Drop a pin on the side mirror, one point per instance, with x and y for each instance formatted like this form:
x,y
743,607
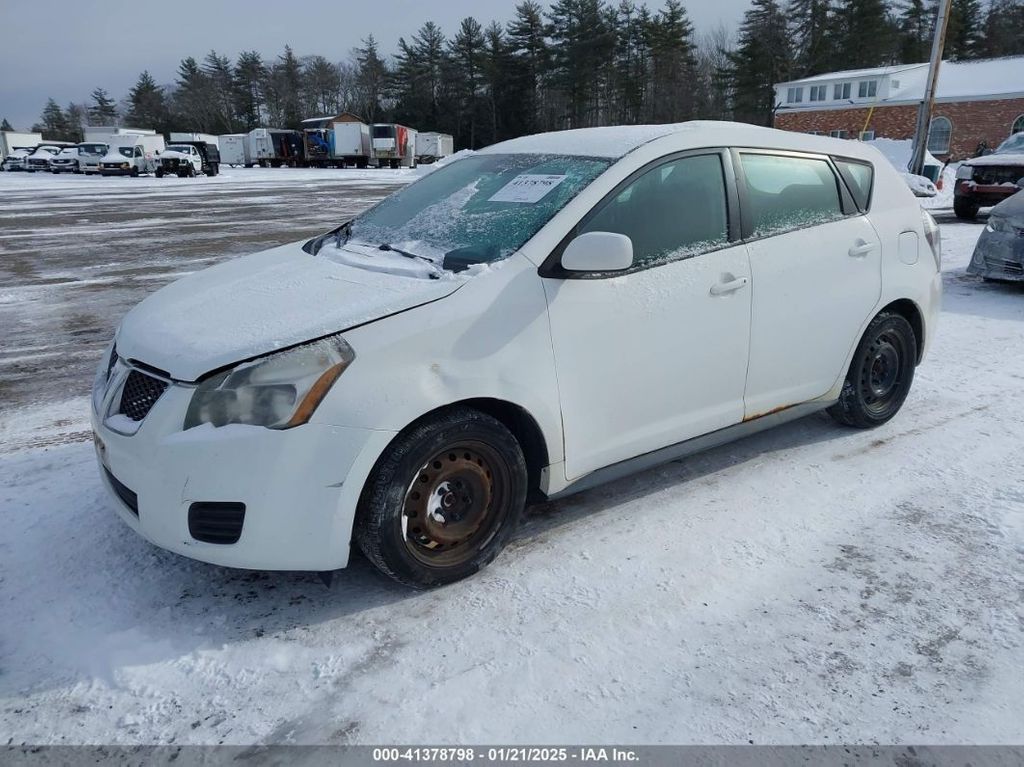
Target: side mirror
x,y
598,252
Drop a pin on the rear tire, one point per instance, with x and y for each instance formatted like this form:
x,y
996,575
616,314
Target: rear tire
x,y
443,499
965,209
880,374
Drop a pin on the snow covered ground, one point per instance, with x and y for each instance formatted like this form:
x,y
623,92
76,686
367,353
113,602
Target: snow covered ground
x,y
810,584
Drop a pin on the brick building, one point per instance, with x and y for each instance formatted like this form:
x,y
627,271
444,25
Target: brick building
x,y
976,101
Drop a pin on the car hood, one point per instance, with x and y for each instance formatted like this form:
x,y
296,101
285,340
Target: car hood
x,y
254,305
115,157
997,159
1012,208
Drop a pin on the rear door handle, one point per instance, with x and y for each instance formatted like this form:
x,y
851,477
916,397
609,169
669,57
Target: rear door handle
x,y
861,249
721,288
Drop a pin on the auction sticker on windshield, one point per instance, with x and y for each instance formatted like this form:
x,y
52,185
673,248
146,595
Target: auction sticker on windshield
x,y
529,187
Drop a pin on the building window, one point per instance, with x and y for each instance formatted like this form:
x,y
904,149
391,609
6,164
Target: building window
x,y
841,91
867,89
819,92
815,133
839,133
794,95
867,135
940,132
1018,125
894,85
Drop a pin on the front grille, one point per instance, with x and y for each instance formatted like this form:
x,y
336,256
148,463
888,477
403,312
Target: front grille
x,y
128,498
140,393
216,522
1006,267
997,175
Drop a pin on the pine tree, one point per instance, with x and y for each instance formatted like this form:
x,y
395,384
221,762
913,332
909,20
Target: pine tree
x,y
192,97
286,77
148,107
371,80
419,80
250,76
77,117
868,34
466,59
1003,30
529,48
916,26
811,26
632,59
5,125
761,59
964,30
673,64
220,92
103,110
503,104
582,52
53,123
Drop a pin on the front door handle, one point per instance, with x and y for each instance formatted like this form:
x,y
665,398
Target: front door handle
x,y
861,249
721,288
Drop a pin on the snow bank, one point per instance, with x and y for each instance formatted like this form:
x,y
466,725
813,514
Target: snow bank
x,y
899,151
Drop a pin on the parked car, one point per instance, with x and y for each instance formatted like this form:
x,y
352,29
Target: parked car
x,y
546,314
65,161
999,254
90,155
40,158
990,179
185,160
16,159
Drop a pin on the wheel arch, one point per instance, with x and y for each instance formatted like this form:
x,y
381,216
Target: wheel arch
x,y
911,312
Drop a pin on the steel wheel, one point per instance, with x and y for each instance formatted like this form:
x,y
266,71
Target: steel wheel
x,y
880,374
448,510
444,498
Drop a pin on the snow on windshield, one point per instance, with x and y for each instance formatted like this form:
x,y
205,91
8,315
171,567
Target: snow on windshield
x,y
479,209
1013,144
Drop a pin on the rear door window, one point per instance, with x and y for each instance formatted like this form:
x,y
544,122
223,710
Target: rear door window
x,y
859,177
787,192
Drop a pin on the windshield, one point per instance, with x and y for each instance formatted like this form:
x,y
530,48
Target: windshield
x,y
127,151
480,209
97,149
178,148
1013,144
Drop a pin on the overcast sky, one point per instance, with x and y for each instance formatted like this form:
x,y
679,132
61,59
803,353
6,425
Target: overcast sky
x,y
65,48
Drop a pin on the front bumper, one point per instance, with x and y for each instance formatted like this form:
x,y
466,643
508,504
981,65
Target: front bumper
x,y
984,194
300,486
104,171
998,256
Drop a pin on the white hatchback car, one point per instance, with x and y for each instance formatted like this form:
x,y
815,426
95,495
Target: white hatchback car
x,y
549,313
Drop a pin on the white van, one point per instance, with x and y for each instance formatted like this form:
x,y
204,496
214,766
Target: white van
x,y
547,314
131,155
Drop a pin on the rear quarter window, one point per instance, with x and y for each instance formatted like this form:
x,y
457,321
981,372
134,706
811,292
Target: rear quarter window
x,y
859,178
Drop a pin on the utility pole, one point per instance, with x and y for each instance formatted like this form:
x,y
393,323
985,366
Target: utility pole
x,y
924,112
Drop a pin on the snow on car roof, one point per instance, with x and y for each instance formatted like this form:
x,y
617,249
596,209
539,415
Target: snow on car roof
x,y
618,141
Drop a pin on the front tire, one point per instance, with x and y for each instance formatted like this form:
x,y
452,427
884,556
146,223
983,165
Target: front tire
x,y
880,374
443,500
965,209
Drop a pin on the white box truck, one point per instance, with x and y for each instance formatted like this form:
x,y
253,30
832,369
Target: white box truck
x,y
11,140
131,155
394,145
431,146
232,150
350,144
259,148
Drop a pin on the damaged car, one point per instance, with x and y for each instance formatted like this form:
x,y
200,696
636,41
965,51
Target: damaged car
x,y
999,254
989,179
529,321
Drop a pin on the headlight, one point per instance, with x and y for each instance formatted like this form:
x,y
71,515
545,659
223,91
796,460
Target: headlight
x,y
103,371
279,391
964,171
1002,224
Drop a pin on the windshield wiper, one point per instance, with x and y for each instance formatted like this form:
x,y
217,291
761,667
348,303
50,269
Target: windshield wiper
x,y
388,247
